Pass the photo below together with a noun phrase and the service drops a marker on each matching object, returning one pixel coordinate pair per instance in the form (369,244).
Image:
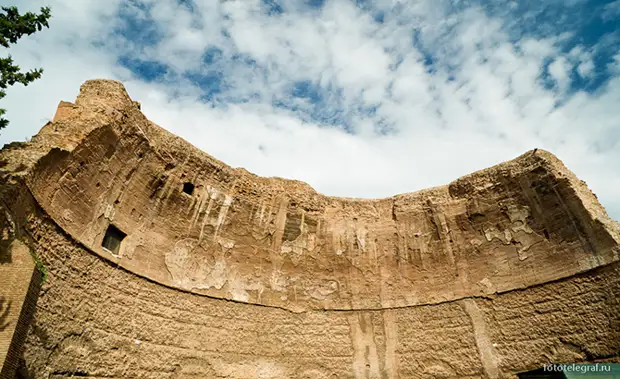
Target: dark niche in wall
(112,239)
(188,188)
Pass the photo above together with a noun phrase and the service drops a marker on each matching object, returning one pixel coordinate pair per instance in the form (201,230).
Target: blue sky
(358,98)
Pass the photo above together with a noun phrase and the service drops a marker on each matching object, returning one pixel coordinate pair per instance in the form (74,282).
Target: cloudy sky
(357,98)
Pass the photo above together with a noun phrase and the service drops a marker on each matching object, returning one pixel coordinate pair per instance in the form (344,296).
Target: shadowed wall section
(166,263)
(20,283)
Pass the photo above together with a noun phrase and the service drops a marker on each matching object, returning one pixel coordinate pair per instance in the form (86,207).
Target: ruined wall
(280,243)
(19,287)
(98,320)
(498,272)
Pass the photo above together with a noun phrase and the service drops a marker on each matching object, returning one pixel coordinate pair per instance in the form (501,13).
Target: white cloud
(611,11)
(481,101)
(559,70)
(583,61)
(586,68)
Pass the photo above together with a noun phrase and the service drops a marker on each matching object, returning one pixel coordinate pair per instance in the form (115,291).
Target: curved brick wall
(498,272)
(280,243)
(98,320)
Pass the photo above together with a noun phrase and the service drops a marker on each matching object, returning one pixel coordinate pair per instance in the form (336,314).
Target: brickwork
(19,288)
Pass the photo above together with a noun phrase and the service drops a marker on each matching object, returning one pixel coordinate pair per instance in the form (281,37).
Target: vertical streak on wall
(391,342)
(365,357)
(205,218)
(275,257)
(198,208)
(223,212)
(261,215)
(280,224)
(483,342)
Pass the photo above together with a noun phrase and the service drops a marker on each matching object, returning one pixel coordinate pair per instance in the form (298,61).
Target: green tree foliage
(13,26)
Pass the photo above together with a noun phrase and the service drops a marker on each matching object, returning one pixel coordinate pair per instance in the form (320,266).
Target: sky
(358,98)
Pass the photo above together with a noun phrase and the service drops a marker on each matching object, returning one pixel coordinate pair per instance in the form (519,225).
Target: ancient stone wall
(220,273)
(19,288)
(96,319)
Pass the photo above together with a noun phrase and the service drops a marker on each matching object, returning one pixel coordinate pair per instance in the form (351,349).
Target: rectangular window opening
(112,239)
(188,188)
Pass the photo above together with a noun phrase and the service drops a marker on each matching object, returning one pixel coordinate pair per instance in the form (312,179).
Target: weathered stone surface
(498,272)
(16,274)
